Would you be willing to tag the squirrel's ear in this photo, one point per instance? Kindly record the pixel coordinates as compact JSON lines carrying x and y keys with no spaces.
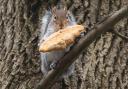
{"x":65,"y":8}
{"x":53,"y":10}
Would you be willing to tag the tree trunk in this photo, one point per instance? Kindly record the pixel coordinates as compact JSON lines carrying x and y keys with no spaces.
{"x":104,"y":65}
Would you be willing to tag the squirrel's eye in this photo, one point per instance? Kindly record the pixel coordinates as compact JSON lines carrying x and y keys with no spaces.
{"x":66,"y":17}
{"x":55,"y":17}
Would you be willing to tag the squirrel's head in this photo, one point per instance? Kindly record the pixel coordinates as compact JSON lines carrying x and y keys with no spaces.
{"x":60,"y":17}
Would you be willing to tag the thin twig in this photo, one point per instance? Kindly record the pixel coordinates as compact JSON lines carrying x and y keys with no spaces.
{"x":120,"y":35}
{"x":67,"y":60}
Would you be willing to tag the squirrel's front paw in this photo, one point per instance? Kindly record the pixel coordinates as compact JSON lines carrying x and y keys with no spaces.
{"x":78,"y":38}
{"x":53,"y":65}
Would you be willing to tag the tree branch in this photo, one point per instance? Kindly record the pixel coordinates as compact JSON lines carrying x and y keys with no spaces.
{"x":67,"y":60}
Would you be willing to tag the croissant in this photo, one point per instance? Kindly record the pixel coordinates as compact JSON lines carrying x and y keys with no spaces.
{"x":61,"y":39}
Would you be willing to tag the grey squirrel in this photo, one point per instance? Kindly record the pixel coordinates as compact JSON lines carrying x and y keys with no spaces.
{"x":52,"y":21}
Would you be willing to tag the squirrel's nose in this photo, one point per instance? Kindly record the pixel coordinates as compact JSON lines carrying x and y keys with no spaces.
{"x":61,"y":26}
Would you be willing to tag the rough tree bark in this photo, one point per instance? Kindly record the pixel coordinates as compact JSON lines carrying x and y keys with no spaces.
{"x":104,"y":65}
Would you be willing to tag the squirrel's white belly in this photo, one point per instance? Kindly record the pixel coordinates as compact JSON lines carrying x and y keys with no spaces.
{"x":51,"y":57}
{"x":48,"y":58}
{"x":56,"y":55}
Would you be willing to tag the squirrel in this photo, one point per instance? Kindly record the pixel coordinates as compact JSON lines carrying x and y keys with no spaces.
{"x":53,"y":21}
